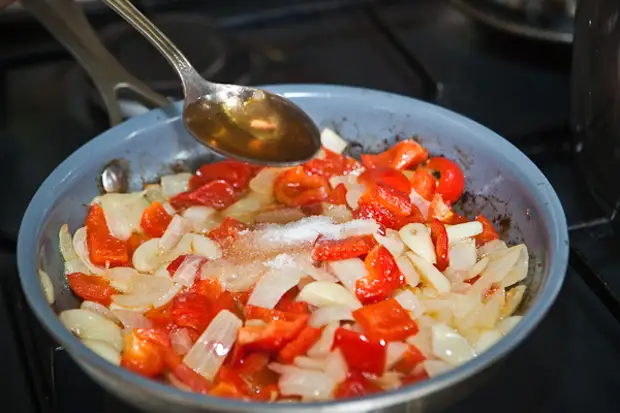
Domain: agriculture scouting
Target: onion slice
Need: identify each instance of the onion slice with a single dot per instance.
(348, 271)
(430, 274)
(310, 384)
(47, 287)
(178, 227)
(132, 319)
(324, 293)
(330, 314)
(172, 185)
(210, 350)
(181, 341)
(88, 325)
(104, 350)
(188, 270)
(272, 286)
(331, 141)
(450, 346)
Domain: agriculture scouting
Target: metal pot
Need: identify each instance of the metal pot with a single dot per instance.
(505, 183)
(595, 100)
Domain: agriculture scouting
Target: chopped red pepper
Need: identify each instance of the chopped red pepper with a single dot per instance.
(403, 155)
(361, 353)
(162, 317)
(440, 210)
(135, 240)
(356, 385)
(175, 264)
(216, 194)
(103, 248)
(296, 187)
(91, 288)
(338, 196)
(155, 220)
(409, 360)
(227, 231)
(272, 337)
(143, 353)
(193, 310)
(184, 374)
(451, 181)
(424, 183)
(386, 177)
(439, 235)
(394, 201)
(386, 320)
(488, 231)
(332, 164)
(383, 277)
(308, 336)
(288, 303)
(237, 174)
(330, 250)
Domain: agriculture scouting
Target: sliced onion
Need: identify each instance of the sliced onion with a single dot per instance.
(336, 366)
(490, 247)
(65, 243)
(450, 346)
(310, 384)
(188, 270)
(132, 319)
(149, 284)
(514, 296)
(172, 185)
(306, 265)
(462, 255)
(104, 350)
(459, 232)
(391, 241)
(246, 209)
(203, 218)
(323, 345)
(422, 204)
(477, 268)
(280, 216)
(90, 326)
(153, 193)
(406, 267)
(348, 271)
(435, 367)
(166, 297)
(210, 350)
(353, 195)
(178, 227)
(331, 141)
(309, 363)
(263, 182)
(330, 314)
(418, 238)
(323, 293)
(410, 302)
(47, 287)
(145, 257)
(181, 341)
(508, 324)
(356, 227)
(121, 278)
(339, 213)
(272, 286)
(123, 212)
(236, 278)
(100, 309)
(430, 274)
(394, 352)
(81, 249)
(486, 340)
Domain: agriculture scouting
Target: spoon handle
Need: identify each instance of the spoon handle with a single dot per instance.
(190, 78)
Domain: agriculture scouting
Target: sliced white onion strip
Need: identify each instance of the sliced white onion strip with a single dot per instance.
(519, 270)
(306, 265)
(100, 309)
(330, 140)
(181, 341)
(210, 350)
(200, 216)
(121, 278)
(324, 344)
(88, 325)
(339, 213)
(188, 270)
(348, 271)
(123, 212)
(309, 363)
(418, 238)
(408, 300)
(324, 293)
(450, 346)
(47, 287)
(462, 255)
(178, 227)
(145, 257)
(310, 384)
(272, 286)
(336, 366)
(459, 232)
(172, 185)
(430, 274)
(435, 367)
(132, 319)
(330, 314)
(263, 182)
(490, 247)
(104, 350)
(486, 340)
(65, 243)
(81, 249)
(508, 324)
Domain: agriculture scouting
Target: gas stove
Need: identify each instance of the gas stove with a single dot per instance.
(424, 49)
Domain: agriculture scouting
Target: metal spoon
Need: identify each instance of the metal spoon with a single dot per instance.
(246, 123)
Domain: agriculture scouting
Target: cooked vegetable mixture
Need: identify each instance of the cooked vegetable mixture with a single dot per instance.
(330, 280)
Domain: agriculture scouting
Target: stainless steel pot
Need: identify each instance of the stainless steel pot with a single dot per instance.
(501, 182)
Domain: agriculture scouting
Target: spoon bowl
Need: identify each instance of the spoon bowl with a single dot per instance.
(241, 122)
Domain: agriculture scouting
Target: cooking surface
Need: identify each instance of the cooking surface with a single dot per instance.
(425, 50)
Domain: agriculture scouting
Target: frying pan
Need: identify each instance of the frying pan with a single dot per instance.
(501, 182)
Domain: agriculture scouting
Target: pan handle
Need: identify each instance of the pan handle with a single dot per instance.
(67, 22)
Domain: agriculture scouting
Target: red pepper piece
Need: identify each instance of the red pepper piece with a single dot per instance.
(383, 277)
(237, 174)
(280, 329)
(451, 182)
(386, 177)
(297, 187)
(103, 248)
(410, 360)
(144, 351)
(288, 303)
(439, 235)
(155, 220)
(308, 336)
(386, 320)
(135, 240)
(356, 385)
(424, 183)
(488, 231)
(193, 310)
(338, 196)
(184, 374)
(91, 288)
(403, 155)
(216, 194)
(227, 231)
(330, 250)
(361, 353)
(332, 164)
